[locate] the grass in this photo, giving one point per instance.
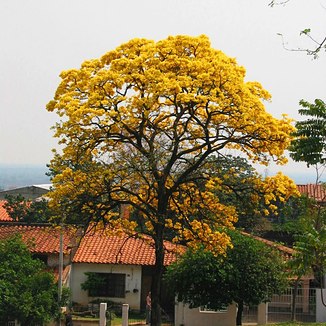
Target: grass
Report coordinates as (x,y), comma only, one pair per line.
(297,324)
(117,321)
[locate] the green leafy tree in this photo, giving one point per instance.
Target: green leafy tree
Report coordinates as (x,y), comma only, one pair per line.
(23,210)
(241,189)
(310,244)
(309,144)
(28,292)
(249,274)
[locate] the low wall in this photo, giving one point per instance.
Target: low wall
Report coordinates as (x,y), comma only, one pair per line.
(193,317)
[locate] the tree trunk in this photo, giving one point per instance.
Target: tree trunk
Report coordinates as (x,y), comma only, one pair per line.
(239,313)
(157,280)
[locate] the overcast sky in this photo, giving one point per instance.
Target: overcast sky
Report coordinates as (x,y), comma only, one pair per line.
(39,39)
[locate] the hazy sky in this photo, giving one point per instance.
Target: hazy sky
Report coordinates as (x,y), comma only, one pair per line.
(39,39)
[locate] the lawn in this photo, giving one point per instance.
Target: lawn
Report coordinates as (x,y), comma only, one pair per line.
(117,321)
(297,324)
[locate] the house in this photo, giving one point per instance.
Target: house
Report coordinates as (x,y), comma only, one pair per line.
(184,315)
(44,242)
(316,191)
(124,263)
(4,216)
(29,192)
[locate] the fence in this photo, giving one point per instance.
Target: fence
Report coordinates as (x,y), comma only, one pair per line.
(249,314)
(280,307)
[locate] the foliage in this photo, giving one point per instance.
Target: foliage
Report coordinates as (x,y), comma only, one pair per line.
(138,126)
(310,245)
(28,292)
(309,144)
(249,274)
(254,197)
(297,324)
(93,281)
(23,210)
(285,226)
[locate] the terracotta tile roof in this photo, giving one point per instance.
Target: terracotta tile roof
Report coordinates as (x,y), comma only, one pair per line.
(3,213)
(285,252)
(316,191)
(98,247)
(44,239)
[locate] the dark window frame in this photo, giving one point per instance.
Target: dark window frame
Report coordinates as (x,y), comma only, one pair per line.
(113,285)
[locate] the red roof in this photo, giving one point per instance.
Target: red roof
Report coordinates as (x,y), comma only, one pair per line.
(44,239)
(316,191)
(98,247)
(3,213)
(285,252)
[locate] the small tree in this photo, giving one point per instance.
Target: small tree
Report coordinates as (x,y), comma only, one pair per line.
(248,275)
(23,210)
(309,146)
(28,292)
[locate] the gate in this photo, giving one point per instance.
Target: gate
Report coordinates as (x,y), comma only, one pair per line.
(280,307)
(250,314)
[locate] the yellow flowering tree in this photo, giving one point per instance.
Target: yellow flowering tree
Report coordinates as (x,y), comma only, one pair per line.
(137,128)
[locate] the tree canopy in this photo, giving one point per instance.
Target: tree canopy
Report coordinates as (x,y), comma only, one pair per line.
(249,274)
(137,128)
(28,292)
(244,188)
(309,144)
(22,210)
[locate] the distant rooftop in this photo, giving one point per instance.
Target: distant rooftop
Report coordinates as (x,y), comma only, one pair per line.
(101,248)
(28,192)
(4,216)
(316,191)
(43,238)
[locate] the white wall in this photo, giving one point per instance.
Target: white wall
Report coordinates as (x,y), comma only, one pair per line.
(133,281)
(320,308)
(53,260)
(193,317)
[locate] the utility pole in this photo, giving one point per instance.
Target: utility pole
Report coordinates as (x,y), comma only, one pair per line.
(60,269)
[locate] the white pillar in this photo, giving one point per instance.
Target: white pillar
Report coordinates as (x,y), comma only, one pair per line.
(125,312)
(262,313)
(103,307)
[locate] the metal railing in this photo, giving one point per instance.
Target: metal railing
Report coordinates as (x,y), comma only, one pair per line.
(280,307)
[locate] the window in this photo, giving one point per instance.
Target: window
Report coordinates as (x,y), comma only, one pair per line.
(107,285)
(205,309)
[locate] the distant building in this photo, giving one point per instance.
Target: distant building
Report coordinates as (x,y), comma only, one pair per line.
(29,192)
(315,191)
